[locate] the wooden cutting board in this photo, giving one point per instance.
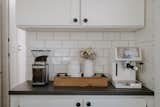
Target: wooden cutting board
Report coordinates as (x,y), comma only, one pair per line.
(81,81)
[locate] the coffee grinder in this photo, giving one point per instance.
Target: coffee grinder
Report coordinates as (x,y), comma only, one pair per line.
(40,68)
(125,67)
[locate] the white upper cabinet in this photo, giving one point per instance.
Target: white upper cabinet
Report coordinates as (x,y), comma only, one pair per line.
(127,14)
(113,13)
(46,12)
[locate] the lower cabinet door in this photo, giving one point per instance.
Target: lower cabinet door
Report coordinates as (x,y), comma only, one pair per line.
(126,102)
(48,101)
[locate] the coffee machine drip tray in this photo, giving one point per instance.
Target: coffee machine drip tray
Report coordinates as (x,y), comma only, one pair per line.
(127,84)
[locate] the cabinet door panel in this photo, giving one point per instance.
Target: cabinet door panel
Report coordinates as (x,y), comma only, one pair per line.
(117,102)
(113,12)
(46,12)
(36,101)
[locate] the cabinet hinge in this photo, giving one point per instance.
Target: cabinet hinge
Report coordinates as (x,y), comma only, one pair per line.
(146,105)
(8,40)
(9,54)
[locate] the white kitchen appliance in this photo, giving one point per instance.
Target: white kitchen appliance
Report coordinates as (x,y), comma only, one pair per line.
(125,67)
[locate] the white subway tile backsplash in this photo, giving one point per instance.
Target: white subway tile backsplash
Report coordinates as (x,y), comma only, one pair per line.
(53,44)
(86,44)
(103,44)
(101,61)
(132,44)
(99,69)
(61,36)
(56,60)
(112,36)
(95,36)
(74,52)
(69,44)
(66,60)
(107,52)
(128,35)
(32,36)
(61,52)
(36,44)
(78,36)
(46,36)
(99,52)
(119,44)
(66,46)
(60,68)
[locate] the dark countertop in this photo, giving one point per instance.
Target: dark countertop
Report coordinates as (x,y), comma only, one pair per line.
(26,88)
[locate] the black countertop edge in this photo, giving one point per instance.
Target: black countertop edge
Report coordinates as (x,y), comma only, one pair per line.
(26,88)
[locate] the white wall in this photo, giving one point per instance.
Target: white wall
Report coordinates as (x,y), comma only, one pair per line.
(156,33)
(0,53)
(145,40)
(66,46)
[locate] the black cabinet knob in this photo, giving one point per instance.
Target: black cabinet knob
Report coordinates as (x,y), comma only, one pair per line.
(75,20)
(85,20)
(88,104)
(78,104)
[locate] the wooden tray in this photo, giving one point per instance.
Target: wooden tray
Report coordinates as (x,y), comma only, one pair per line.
(81,81)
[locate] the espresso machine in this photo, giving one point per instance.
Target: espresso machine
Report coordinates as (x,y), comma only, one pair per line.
(125,66)
(40,68)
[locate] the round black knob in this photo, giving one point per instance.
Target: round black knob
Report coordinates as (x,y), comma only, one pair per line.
(78,104)
(75,20)
(85,20)
(88,104)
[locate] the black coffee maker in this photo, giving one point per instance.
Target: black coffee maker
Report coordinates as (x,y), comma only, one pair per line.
(40,68)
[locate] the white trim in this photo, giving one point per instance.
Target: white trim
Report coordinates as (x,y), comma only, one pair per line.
(5,69)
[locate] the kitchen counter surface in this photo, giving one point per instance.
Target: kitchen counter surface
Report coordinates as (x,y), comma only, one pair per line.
(26,88)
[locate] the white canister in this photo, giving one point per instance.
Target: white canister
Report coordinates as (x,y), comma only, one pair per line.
(88,68)
(74,68)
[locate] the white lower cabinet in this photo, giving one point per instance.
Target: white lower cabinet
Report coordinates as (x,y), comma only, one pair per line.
(116,102)
(78,101)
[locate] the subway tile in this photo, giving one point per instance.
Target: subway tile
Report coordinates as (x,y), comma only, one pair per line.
(86,44)
(78,36)
(132,44)
(69,44)
(74,52)
(60,68)
(56,60)
(103,44)
(112,36)
(99,69)
(53,44)
(62,52)
(99,52)
(61,36)
(37,44)
(107,52)
(66,60)
(46,36)
(120,44)
(95,35)
(31,36)
(128,36)
(101,61)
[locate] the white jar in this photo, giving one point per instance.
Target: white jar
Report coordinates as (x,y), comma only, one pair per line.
(88,68)
(74,68)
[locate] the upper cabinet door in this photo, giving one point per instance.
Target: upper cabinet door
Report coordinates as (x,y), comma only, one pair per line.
(113,13)
(47,12)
